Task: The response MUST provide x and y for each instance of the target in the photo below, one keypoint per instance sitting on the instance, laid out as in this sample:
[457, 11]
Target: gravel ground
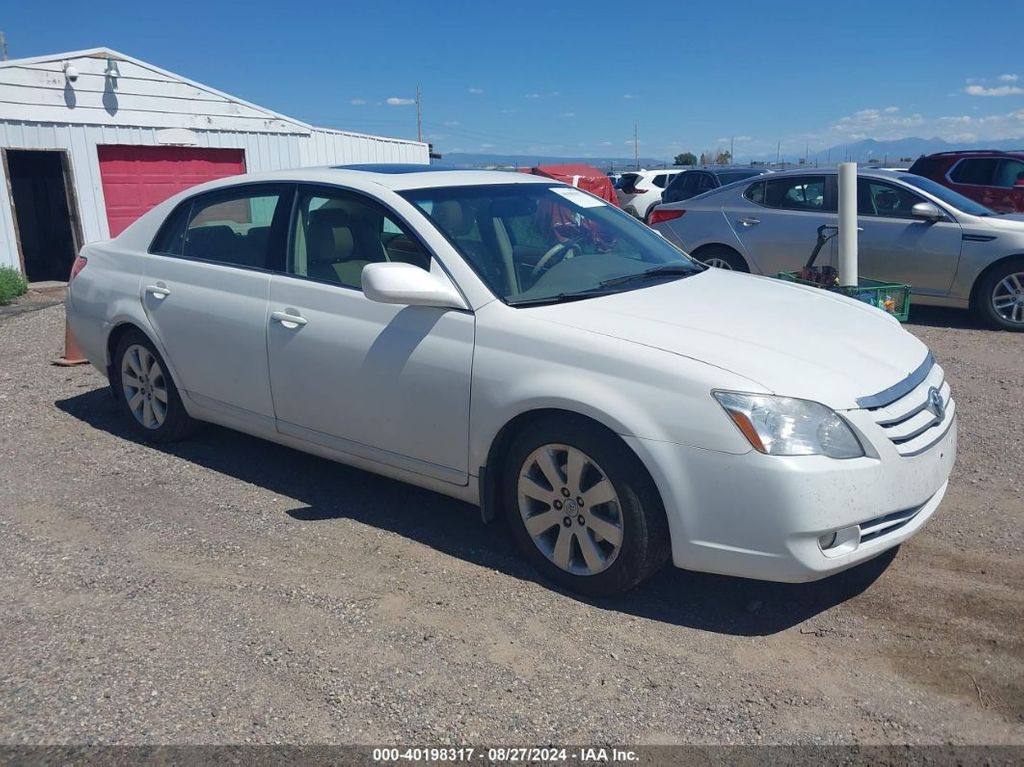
[227, 590]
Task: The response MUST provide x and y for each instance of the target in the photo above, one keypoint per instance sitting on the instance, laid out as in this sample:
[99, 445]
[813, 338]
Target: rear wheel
[999, 299]
[722, 257]
[582, 507]
[146, 391]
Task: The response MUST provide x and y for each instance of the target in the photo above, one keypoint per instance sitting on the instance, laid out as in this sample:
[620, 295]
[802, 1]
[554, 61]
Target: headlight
[787, 426]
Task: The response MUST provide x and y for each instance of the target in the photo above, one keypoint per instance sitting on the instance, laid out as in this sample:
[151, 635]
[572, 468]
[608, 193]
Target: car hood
[792, 340]
[1010, 222]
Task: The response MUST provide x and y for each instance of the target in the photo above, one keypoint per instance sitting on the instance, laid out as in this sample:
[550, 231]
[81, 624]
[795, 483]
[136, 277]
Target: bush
[12, 284]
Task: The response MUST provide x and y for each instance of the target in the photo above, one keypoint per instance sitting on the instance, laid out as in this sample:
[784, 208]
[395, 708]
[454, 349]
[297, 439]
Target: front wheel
[582, 507]
[1000, 297]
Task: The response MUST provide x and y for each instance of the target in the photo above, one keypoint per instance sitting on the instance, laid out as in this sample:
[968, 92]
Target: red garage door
[136, 178]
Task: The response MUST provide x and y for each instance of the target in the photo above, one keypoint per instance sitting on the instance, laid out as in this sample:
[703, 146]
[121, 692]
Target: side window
[335, 235]
[170, 239]
[755, 193]
[1010, 173]
[805, 193]
[660, 180]
[979, 171]
[232, 227]
[879, 198]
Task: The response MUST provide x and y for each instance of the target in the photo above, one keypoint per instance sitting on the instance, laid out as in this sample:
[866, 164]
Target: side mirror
[399, 283]
[927, 211]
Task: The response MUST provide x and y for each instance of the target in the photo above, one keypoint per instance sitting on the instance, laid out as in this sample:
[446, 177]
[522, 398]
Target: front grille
[910, 414]
[890, 523]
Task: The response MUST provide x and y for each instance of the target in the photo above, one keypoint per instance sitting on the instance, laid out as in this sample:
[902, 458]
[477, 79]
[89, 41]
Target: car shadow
[330, 491]
[942, 317]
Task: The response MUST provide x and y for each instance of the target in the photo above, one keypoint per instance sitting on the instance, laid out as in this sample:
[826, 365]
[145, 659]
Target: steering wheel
[559, 251]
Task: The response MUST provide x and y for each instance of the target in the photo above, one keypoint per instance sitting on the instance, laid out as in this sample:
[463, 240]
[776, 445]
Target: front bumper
[760, 516]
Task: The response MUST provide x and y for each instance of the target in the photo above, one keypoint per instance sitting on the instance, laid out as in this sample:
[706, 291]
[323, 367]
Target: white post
[848, 224]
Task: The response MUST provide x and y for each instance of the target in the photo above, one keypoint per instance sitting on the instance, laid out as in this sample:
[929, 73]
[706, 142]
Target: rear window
[737, 175]
[628, 183]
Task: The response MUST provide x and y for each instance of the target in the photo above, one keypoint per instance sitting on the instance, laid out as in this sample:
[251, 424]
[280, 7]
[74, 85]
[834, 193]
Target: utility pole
[419, 116]
[3, 46]
[636, 147]
[778, 153]
[732, 149]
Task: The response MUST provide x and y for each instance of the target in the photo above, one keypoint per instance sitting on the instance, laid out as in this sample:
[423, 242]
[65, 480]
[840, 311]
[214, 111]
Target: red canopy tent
[586, 177]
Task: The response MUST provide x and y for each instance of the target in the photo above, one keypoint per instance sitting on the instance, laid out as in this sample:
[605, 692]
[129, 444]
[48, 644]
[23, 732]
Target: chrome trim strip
[904, 387]
[934, 442]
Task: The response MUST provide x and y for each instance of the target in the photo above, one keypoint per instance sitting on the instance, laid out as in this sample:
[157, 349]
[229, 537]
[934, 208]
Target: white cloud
[487, 146]
[891, 110]
[883, 125]
[998, 90]
[628, 96]
[357, 102]
[1009, 78]
[451, 123]
[476, 91]
[567, 114]
[395, 101]
[532, 96]
[606, 143]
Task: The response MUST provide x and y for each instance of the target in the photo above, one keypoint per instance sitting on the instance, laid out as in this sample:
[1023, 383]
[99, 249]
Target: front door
[893, 246]
[383, 382]
[205, 291]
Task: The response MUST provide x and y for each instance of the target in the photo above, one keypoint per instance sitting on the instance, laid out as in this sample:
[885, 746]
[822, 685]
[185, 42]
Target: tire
[722, 257]
[999, 297]
[625, 506]
[147, 392]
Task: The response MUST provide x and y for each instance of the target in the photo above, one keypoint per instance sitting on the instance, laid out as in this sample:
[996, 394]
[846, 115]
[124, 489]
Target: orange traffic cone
[72, 354]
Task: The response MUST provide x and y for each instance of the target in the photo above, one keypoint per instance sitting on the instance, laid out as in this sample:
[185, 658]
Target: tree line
[721, 157]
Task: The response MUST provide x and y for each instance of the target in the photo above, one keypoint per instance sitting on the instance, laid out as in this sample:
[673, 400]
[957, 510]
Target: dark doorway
[40, 194]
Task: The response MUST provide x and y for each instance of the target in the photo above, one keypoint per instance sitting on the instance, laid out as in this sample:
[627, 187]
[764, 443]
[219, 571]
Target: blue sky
[571, 78]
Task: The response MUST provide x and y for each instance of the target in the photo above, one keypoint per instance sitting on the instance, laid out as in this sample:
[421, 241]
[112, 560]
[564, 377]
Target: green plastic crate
[887, 296]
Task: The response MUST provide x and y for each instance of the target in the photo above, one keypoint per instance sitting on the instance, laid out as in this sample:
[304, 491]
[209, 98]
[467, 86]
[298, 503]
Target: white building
[91, 139]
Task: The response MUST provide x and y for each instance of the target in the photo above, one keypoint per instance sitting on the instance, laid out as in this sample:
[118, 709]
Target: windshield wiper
[665, 270]
[559, 298]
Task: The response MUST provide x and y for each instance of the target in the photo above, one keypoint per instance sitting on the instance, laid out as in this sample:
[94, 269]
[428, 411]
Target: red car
[993, 178]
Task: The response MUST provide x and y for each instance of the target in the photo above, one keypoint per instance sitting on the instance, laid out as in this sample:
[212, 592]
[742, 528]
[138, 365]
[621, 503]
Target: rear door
[896, 247]
[205, 291]
[776, 221]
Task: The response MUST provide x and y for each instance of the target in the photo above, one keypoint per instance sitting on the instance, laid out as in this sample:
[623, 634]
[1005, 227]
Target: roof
[969, 152]
[104, 52]
[406, 178]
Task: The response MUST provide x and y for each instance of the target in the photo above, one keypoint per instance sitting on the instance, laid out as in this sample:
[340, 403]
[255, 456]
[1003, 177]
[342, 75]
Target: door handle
[748, 221]
[158, 291]
[290, 321]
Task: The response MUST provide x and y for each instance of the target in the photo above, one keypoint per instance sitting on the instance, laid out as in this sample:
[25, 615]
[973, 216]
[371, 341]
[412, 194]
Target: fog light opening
[827, 541]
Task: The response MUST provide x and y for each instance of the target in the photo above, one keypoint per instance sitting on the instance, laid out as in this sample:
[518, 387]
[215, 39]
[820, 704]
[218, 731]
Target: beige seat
[330, 248]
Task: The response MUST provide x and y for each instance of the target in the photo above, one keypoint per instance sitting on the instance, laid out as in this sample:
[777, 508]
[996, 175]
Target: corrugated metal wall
[263, 151]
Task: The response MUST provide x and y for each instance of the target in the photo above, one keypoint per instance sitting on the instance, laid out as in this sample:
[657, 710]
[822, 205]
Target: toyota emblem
[935, 403]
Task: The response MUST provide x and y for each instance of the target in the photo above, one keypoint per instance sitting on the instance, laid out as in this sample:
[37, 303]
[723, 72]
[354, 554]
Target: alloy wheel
[144, 385]
[717, 262]
[1008, 298]
[570, 509]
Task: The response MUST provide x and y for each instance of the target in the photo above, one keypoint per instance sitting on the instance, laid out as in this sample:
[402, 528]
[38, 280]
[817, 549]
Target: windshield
[534, 243]
[948, 196]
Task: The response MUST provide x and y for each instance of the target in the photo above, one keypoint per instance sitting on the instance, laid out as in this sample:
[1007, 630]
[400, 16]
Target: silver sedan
[951, 250]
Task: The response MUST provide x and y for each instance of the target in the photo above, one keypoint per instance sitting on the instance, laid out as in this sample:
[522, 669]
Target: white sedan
[517, 343]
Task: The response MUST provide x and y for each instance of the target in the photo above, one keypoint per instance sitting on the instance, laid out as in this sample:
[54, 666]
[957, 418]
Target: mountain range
[888, 152]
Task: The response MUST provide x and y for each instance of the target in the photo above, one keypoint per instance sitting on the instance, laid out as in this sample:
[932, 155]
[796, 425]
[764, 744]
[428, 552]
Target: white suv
[639, 192]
